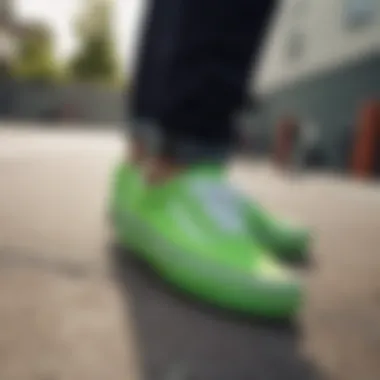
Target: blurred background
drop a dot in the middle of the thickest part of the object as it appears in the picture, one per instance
(319, 74)
(66, 69)
(61, 62)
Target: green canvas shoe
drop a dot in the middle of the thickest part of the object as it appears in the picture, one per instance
(193, 231)
(289, 243)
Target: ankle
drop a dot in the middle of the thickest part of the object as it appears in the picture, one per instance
(137, 154)
(160, 170)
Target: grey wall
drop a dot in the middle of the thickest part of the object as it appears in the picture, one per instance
(331, 100)
(91, 104)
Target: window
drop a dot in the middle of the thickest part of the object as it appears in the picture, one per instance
(359, 13)
(295, 45)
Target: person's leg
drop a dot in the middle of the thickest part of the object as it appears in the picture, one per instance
(155, 50)
(194, 61)
(193, 67)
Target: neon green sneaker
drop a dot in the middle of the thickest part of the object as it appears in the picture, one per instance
(193, 231)
(289, 243)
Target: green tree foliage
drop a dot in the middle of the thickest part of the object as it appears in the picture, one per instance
(35, 60)
(95, 59)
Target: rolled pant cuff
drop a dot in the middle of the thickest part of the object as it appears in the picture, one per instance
(181, 150)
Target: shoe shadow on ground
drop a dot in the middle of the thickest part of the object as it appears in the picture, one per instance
(182, 339)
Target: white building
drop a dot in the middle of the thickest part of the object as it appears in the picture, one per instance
(310, 36)
(320, 63)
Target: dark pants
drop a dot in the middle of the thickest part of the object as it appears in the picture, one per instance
(194, 60)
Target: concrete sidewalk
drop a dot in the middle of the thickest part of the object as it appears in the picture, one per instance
(61, 315)
(54, 327)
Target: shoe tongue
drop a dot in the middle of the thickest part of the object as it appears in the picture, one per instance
(220, 201)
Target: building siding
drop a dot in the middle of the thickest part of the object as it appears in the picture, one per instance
(329, 40)
(330, 99)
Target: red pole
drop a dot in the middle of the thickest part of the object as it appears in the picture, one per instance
(285, 139)
(368, 133)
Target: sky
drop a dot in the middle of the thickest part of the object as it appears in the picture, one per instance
(58, 15)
